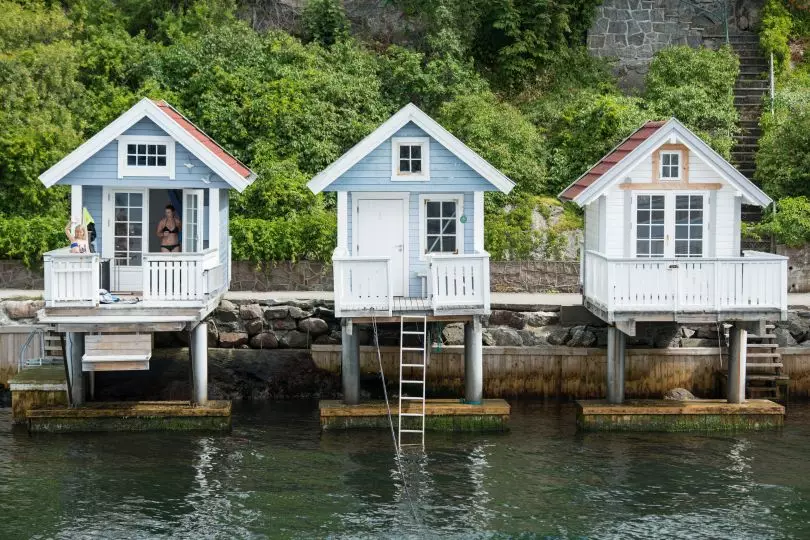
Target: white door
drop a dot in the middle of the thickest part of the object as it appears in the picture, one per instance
(124, 238)
(192, 220)
(670, 225)
(381, 233)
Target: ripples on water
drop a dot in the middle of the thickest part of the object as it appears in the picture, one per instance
(276, 476)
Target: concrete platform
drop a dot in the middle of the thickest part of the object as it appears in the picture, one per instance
(667, 415)
(440, 415)
(37, 387)
(132, 416)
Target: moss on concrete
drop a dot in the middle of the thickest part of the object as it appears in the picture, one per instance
(23, 401)
(678, 422)
(471, 423)
(141, 423)
(40, 375)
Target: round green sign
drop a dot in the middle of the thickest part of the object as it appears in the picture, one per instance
(463, 219)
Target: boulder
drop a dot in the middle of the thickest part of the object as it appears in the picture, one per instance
(542, 318)
(213, 335)
(265, 340)
(325, 313)
(250, 311)
(284, 324)
(666, 336)
(558, 336)
(276, 312)
(506, 337)
(226, 312)
(502, 317)
(297, 313)
(797, 326)
(226, 305)
(314, 326)
(531, 339)
(22, 309)
(784, 338)
(254, 326)
(453, 334)
(487, 339)
(232, 340)
(295, 340)
(581, 336)
(679, 394)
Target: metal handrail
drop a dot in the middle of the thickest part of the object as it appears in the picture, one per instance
(23, 363)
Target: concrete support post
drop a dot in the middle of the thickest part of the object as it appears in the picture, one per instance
(473, 362)
(616, 352)
(74, 350)
(199, 364)
(737, 348)
(350, 362)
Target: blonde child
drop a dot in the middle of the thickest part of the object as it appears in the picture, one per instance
(78, 239)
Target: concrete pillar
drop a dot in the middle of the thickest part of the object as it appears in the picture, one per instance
(616, 352)
(473, 362)
(737, 348)
(74, 350)
(350, 362)
(199, 364)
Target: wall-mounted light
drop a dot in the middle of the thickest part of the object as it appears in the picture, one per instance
(189, 166)
(206, 179)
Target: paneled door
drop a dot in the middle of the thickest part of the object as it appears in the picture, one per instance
(670, 225)
(193, 220)
(381, 233)
(124, 241)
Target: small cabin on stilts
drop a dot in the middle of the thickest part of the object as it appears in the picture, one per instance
(410, 247)
(167, 274)
(662, 244)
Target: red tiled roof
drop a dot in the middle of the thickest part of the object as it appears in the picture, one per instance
(207, 141)
(612, 158)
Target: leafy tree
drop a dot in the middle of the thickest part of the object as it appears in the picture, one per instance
(783, 159)
(325, 21)
(775, 31)
(790, 224)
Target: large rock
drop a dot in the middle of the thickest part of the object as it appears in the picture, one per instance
(666, 336)
(581, 336)
(531, 339)
(679, 394)
(284, 324)
(226, 312)
(501, 317)
(784, 338)
(297, 312)
(265, 340)
(796, 325)
(542, 318)
(453, 334)
(254, 326)
(487, 339)
(558, 336)
(213, 335)
(232, 340)
(506, 337)
(250, 311)
(276, 312)
(314, 326)
(22, 309)
(294, 340)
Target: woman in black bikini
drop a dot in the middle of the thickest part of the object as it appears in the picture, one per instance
(169, 231)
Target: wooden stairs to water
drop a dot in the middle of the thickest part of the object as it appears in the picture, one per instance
(764, 377)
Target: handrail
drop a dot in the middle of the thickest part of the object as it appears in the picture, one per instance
(760, 256)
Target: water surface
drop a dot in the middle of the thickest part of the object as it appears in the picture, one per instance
(276, 476)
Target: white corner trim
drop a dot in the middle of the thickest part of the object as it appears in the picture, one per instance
(125, 170)
(213, 218)
(423, 198)
(76, 203)
(342, 220)
(410, 113)
(145, 108)
(478, 221)
(423, 142)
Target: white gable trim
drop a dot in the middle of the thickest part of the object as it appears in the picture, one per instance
(673, 129)
(410, 113)
(145, 108)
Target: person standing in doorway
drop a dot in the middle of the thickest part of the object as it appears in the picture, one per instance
(168, 230)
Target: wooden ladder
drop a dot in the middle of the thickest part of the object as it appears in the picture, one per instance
(763, 370)
(412, 390)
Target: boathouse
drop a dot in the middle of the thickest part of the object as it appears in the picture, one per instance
(662, 244)
(410, 245)
(123, 178)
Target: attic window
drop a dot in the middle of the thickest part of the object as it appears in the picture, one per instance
(410, 159)
(145, 156)
(670, 166)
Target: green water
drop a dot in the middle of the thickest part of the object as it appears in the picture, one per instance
(276, 476)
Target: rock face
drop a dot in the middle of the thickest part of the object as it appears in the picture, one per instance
(581, 336)
(22, 309)
(679, 394)
(250, 311)
(505, 337)
(453, 334)
(515, 319)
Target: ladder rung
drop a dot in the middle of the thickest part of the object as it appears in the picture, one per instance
(411, 414)
(407, 381)
(763, 355)
(410, 398)
(413, 333)
(411, 431)
(766, 365)
(413, 365)
(420, 349)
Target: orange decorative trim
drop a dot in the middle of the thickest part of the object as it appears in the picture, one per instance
(665, 186)
(656, 162)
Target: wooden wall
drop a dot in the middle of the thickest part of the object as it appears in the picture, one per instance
(12, 339)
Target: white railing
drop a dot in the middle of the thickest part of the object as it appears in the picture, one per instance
(176, 279)
(459, 281)
(362, 284)
(71, 279)
(755, 282)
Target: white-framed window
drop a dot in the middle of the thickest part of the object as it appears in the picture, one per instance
(410, 159)
(441, 227)
(145, 155)
(670, 166)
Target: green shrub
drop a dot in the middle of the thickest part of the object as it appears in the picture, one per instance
(783, 158)
(28, 238)
(305, 236)
(325, 21)
(790, 224)
(774, 34)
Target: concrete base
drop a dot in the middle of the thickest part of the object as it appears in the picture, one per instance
(36, 388)
(441, 415)
(666, 415)
(132, 416)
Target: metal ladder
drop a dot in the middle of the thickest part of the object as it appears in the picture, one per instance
(415, 386)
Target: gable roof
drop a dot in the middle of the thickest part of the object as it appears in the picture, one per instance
(410, 113)
(180, 128)
(640, 145)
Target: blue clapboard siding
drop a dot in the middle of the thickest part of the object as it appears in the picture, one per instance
(448, 173)
(101, 169)
(92, 200)
(224, 219)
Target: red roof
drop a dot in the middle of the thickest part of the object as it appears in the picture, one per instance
(612, 158)
(207, 141)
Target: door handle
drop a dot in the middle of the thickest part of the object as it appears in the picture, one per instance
(673, 266)
(399, 247)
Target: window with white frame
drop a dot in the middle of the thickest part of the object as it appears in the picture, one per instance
(670, 166)
(410, 158)
(145, 156)
(441, 224)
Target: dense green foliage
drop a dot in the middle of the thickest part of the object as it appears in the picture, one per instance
(27, 238)
(790, 224)
(774, 34)
(511, 79)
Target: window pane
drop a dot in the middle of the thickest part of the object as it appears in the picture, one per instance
(136, 199)
(696, 201)
(131, 160)
(682, 216)
(433, 209)
(434, 226)
(151, 161)
(120, 229)
(665, 159)
(449, 226)
(643, 232)
(448, 243)
(135, 214)
(681, 248)
(134, 244)
(135, 229)
(130, 149)
(643, 218)
(416, 165)
(432, 243)
(657, 202)
(161, 161)
(682, 202)
(120, 214)
(121, 244)
(697, 217)
(135, 259)
(121, 199)
(643, 202)
(657, 248)
(416, 152)
(642, 248)
(404, 151)
(696, 231)
(142, 149)
(404, 165)
(696, 248)
(657, 232)
(142, 160)
(449, 209)
(657, 216)
(152, 149)
(161, 149)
